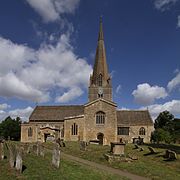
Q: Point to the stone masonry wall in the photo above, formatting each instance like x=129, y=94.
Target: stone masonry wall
x=109, y=129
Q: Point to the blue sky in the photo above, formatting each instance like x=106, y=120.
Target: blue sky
x=47, y=52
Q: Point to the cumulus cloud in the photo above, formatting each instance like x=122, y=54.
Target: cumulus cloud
x=52, y=10
x=31, y=74
x=174, y=83
x=172, y=106
x=69, y=95
x=146, y=94
x=164, y=4
x=22, y=113
x=4, y=106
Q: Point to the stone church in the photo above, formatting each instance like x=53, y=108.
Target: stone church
x=98, y=120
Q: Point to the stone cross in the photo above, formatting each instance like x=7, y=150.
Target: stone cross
x=56, y=156
x=19, y=160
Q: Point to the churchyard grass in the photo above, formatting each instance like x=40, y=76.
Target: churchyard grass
x=148, y=165
x=37, y=167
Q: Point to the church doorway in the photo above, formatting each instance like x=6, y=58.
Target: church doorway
x=100, y=137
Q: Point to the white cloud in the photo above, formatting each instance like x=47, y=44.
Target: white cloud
x=4, y=106
x=172, y=106
x=31, y=74
x=178, y=23
x=52, y=10
x=22, y=113
x=146, y=94
x=174, y=83
x=118, y=89
x=164, y=4
x=70, y=95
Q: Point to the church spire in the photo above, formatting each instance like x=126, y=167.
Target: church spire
x=100, y=65
x=100, y=81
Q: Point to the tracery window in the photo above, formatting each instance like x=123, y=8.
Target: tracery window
x=30, y=132
x=100, y=80
x=142, y=131
x=100, y=117
x=74, y=129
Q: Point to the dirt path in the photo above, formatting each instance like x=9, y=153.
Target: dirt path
x=104, y=168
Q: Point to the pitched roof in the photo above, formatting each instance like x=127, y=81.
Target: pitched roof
x=134, y=117
x=55, y=113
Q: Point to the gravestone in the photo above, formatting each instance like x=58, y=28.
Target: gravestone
x=56, y=156
x=172, y=155
x=35, y=149
x=1, y=151
x=12, y=155
x=117, y=148
x=18, y=165
x=82, y=145
x=41, y=150
x=152, y=151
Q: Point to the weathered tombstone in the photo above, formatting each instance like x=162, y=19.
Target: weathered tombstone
x=1, y=151
x=166, y=154
x=34, y=148
x=117, y=148
x=82, y=145
x=38, y=149
x=172, y=155
x=41, y=150
x=152, y=151
x=56, y=156
x=18, y=165
x=12, y=155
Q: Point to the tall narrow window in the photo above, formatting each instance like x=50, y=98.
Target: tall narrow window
x=30, y=132
x=100, y=80
x=100, y=117
x=142, y=131
x=74, y=129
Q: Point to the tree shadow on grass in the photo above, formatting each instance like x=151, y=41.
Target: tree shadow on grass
x=172, y=147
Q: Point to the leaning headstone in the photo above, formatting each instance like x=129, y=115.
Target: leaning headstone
x=19, y=160
x=152, y=151
x=56, y=156
x=12, y=155
x=172, y=155
x=1, y=151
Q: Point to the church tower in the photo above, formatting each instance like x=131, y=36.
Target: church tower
x=100, y=81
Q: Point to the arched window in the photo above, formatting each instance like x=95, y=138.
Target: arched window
x=30, y=132
x=100, y=117
x=142, y=131
x=100, y=80
x=74, y=129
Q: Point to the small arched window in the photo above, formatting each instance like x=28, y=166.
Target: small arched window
x=30, y=132
x=74, y=129
x=100, y=117
x=100, y=80
x=142, y=131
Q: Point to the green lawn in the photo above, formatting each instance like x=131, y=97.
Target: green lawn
x=153, y=166
x=41, y=168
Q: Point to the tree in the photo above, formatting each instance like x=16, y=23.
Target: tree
x=164, y=121
x=10, y=128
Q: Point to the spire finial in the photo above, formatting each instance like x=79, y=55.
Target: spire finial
x=101, y=37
